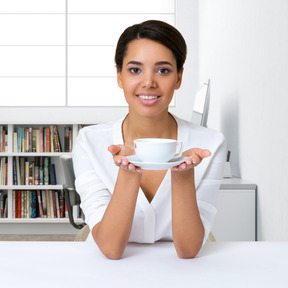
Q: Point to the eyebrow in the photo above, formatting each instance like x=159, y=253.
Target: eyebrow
x=157, y=63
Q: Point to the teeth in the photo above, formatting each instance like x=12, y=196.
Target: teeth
x=147, y=97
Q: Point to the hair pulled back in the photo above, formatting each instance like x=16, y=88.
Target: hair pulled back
x=155, y=30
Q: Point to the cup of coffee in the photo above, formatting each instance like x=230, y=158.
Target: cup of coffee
x=157, y=150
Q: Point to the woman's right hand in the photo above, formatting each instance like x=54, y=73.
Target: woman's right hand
x=119, y=152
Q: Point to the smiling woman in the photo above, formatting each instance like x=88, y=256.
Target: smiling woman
x=121, y=201
x=153, y=82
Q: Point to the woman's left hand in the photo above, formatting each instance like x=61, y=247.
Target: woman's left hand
x=195, y=156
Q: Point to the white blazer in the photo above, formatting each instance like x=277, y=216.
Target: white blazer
x=96, y=176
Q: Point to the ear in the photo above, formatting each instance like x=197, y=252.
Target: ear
x=119, y=79
x=179, y=79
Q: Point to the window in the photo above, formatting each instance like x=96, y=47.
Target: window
x=60, y=53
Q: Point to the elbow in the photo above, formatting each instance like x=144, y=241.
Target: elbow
x=112, y=252
x=188, y=251
x=113, y=255
x=187, y=254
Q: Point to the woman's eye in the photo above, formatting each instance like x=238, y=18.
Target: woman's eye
x=163, y=71
x=135, y=70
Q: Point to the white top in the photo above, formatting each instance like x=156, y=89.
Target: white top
x=96, y=176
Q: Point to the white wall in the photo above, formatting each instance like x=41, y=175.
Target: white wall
x=243, y=48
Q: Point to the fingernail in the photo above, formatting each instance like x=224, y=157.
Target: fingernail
x=188, y=162
x=119, y=161
x=194, y=161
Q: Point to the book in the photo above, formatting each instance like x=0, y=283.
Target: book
x=19, y=202
x=51, y=139
x=34, y=203
x=15, y=142
x=5, y=200
x=31, y=173
x=13, y=204
x=51, y=204
x=22, y=161
x=15, y=182
x=48, y=204
x=3, y=170
x=44, y=203
x=57, y=204
x=46, y=163
x=47, y=140
x=26, y=204
x=18, y=170
x=1, y=205
x=56, y=139
x=22, y=204
x=26, y=172
x=40, y=205
x=34, y=140
x=61, y=204
x=41, y=139
x=27, y=139
x=36, y=171
x=52, y=174
x=2, y=138
x=41, y=171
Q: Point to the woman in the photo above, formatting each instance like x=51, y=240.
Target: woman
x=123, y=203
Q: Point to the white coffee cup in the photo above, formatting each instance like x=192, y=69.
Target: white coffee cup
x=157, y=150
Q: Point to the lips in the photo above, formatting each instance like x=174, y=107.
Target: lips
x=148, y=99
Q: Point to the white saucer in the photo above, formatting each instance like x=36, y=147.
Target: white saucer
x=156, y=166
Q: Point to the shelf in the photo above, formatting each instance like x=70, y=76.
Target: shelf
x=31, y=187
x=30, y=225
x=33, y=154
x=38, y=220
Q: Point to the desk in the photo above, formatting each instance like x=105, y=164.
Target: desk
x=79, y=264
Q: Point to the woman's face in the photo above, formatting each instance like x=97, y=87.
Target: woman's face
x=149, y=77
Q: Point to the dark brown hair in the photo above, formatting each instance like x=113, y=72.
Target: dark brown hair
x=155, y=30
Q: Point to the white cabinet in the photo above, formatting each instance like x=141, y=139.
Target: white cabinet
x=236, y=217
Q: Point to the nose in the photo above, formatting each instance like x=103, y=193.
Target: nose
x=149, y=80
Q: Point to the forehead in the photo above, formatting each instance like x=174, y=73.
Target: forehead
x=144, y=50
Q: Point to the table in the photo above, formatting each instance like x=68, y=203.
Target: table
x=80, y=264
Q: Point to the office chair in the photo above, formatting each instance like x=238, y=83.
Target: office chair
x=201, y=105
x=71, y=196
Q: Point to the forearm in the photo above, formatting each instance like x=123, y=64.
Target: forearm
x=113, y=232
x=187, y=228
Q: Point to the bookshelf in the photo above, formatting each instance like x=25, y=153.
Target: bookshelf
x=10, y=221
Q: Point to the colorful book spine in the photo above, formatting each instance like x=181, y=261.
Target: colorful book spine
x=33, y=204
x=46, y=164
x=44, y=203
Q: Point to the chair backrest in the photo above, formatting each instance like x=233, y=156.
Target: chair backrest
x=201, y=105
x=69, y=177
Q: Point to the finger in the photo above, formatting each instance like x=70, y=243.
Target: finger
x=114, y=149
x=199, y=155
x=205, y=153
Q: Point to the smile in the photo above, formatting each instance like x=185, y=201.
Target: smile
x=147, y=97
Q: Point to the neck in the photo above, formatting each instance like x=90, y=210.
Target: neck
x=160, y=126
